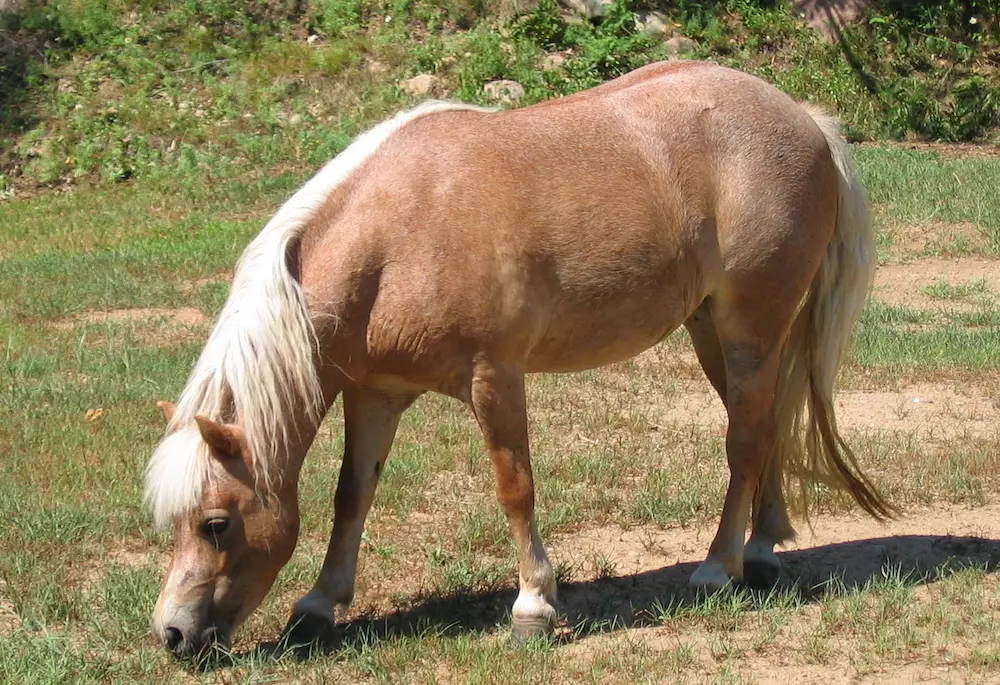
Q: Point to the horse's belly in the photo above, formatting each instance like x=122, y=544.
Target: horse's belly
x=596, y=336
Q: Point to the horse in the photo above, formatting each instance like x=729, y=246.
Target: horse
x=455, y=249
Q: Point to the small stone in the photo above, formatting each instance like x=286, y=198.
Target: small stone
x=295, y=119
x=421, y=84
x=312, y=39
x=587, y=8
x=553, y=61
x=680, y=45
x=653, y=24
x=504, y=91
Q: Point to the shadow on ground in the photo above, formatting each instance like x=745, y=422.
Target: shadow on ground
x=613, y=604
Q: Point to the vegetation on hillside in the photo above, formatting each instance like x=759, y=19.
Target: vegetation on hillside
x=108, y=90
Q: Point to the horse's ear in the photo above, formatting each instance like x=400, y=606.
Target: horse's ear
x=223, y=440
x=168, y=409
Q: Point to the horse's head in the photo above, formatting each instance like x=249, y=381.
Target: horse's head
x=228, y=548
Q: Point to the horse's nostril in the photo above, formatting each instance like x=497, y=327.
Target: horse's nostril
x=173, y=638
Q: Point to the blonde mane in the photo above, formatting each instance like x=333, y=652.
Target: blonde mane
x=257, y=368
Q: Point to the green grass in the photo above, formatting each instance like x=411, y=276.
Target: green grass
x=958, y=292
x=81, y=565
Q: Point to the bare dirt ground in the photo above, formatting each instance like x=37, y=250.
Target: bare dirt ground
x=903, y=285
x=9, y=620
x=650, y=564
x=935, y=238
x=853, y=547
x=930, y=410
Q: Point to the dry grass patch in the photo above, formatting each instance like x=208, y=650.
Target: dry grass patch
x=147, y=325
x=934, y=283
x=905, y=242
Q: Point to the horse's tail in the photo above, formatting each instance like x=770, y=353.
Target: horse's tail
x=809, y=449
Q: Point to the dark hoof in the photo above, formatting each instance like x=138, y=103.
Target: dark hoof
x=306, y=632
x=529, y=628
x=760, y=576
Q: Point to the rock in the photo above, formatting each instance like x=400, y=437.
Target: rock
x=830, y=17
x=421, y=84
x=504, y=91
x=653, y=24
x=295, y=119
x=553, y=61
x=312, y=39
x=508, y=9
x=680, y=45
x=587, y=8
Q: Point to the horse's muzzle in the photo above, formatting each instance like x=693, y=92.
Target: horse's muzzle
x=191, y=644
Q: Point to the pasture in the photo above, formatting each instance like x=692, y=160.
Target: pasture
x=107, y=295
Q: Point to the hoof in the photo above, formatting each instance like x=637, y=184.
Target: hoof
x=709, y=578
x=529, y=627
x=305, y=631
x=760, y=575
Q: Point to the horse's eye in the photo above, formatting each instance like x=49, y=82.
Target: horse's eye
x=214, y=526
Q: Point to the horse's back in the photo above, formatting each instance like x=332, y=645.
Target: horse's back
x=579, y=231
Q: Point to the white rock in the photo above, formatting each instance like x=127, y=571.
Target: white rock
x=588, y=8
x=421, y=84
x=679, y=45
x=504, y=91
x=553, y=61
x=653, y=24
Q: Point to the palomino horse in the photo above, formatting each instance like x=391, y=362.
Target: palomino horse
x=454, y=249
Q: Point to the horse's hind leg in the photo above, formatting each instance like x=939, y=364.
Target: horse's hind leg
x=750, y=354
x=370, y=421
x=706, y=345
x=771, y=526
x=770, y=517
x=499, y=404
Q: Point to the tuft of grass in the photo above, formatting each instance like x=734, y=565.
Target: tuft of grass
x=960, y=292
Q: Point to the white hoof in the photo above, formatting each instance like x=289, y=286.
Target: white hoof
x=532, y=615
x=710, y=576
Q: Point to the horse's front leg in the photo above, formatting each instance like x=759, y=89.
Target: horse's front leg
x=499, y=404
x=370, y=421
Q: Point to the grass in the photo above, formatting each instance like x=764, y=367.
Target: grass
x=106, y=92
x=81, y=565
x=958, y=292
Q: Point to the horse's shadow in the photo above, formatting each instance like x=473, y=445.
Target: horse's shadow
x=612, y=604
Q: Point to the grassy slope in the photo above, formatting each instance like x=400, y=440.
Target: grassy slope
x=111, y=90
